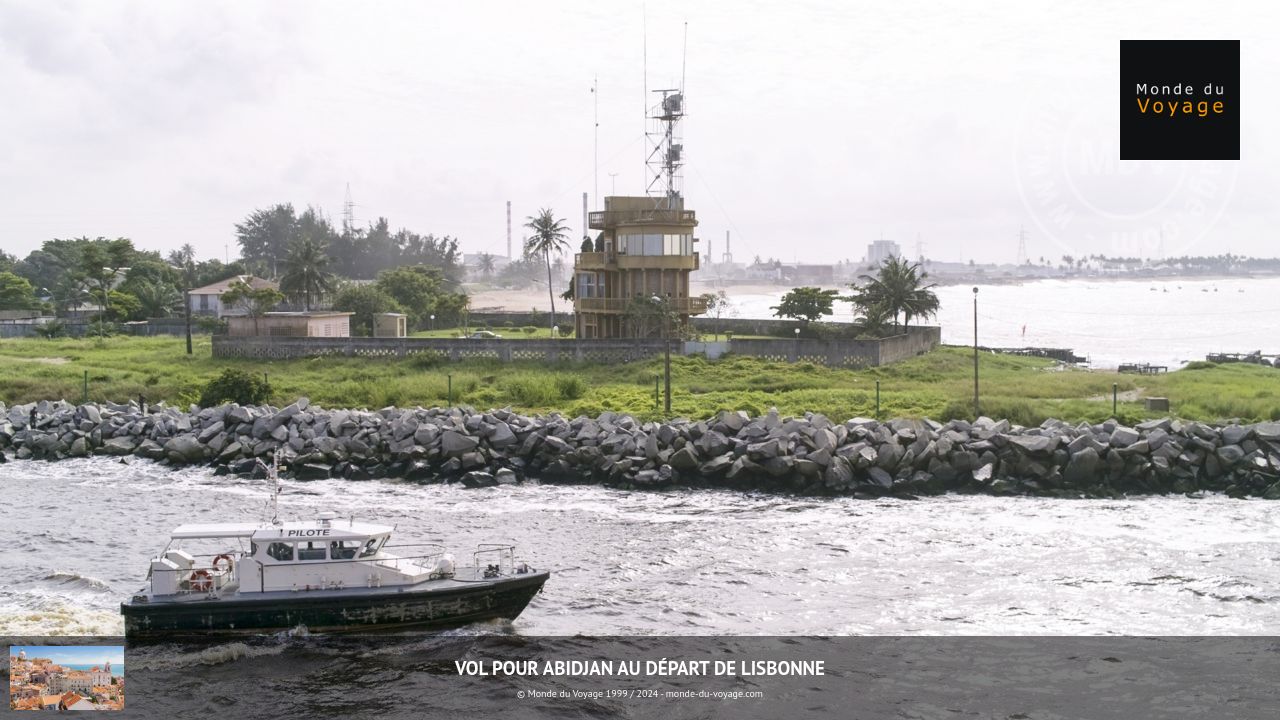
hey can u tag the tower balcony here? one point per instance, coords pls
(615, 261)
(680, 305)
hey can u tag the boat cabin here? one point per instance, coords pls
(325, 553)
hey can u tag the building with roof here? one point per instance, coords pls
(207, 300)
(314, 323)
(645, 251)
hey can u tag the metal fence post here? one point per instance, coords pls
(450, 379)
(84, 397)
(1115, 398)
(877, 399)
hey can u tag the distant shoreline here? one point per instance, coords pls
(498, 300)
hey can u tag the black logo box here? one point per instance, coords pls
(1189, 65)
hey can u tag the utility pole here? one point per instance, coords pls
(976, 412)
(509, 257)
(187, 308)
(664, 304)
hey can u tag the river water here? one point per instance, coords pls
(78, 535)
(1168, 321)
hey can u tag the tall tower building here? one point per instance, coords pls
(647, 252)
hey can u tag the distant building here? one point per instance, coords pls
(646, 252)
(880, 250)
(207, 300)
(770, 270)
(390, 325)
(292, 324)
(809, 274)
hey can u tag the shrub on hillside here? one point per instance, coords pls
(235, 386)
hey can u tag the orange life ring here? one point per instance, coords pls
(201, 581)
(220, 558)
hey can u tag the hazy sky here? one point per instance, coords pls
(813, 127)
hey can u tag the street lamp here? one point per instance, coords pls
(666, 353)
(976, 413)
(433, 323)
(796, 350)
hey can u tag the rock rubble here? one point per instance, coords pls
(811, 454)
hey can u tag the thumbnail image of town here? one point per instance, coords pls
(66, 677)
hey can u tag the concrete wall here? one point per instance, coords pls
(836, 353)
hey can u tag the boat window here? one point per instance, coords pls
(253, 548)
(343, 549)
(310, 552)
(371, 547)
(280, 551)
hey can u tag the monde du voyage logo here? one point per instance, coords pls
(1179, 99)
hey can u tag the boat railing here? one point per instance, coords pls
(402, 563)
(494, 555)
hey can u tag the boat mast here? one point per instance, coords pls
(274, 474)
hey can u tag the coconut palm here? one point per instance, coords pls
(895, 290)
(158, 300)
(549, 236)
(486, 264)
(306, 273)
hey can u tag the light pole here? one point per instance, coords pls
(796, 347)
(666, 354)
(976, 413)
(433, 323)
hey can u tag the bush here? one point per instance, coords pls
(236, 386)
(570, 387)
(1200, 365)
(211, 325)
(528, 330)
(101, 328)
(50, 330)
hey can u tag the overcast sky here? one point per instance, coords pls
(813, 127)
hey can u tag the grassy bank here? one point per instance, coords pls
(937, 385)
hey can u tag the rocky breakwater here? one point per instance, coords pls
(809, 454)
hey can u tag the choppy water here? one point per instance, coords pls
(1163, 322)
(78, 534)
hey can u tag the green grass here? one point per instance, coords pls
(937, 385)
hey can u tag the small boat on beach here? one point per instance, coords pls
(326, 574)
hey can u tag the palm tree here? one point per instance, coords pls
(182, 257)
(549, 235)
(486, 264)
(159, 300)
(306, 273)
(896, 290)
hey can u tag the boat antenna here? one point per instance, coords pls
(274, 475)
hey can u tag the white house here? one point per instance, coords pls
(207, 300)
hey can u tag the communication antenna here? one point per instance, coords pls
(348, 213)
(273, 474)
(595, 96)
(1022, 245)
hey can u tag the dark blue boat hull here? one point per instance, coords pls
(350, 610)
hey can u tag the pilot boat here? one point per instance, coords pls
(327, 574)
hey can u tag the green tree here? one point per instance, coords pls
(255, 302)
(420, 291)
(486, 264)
(155, 299)
(183, 256)
(122, 306)
(101, 263)
(897, 289)
(7, 261)
(549, 236)
(806, 304)
(306, 271)
(16, 293)
(365, 301)
(718, 306)
(264, 236)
